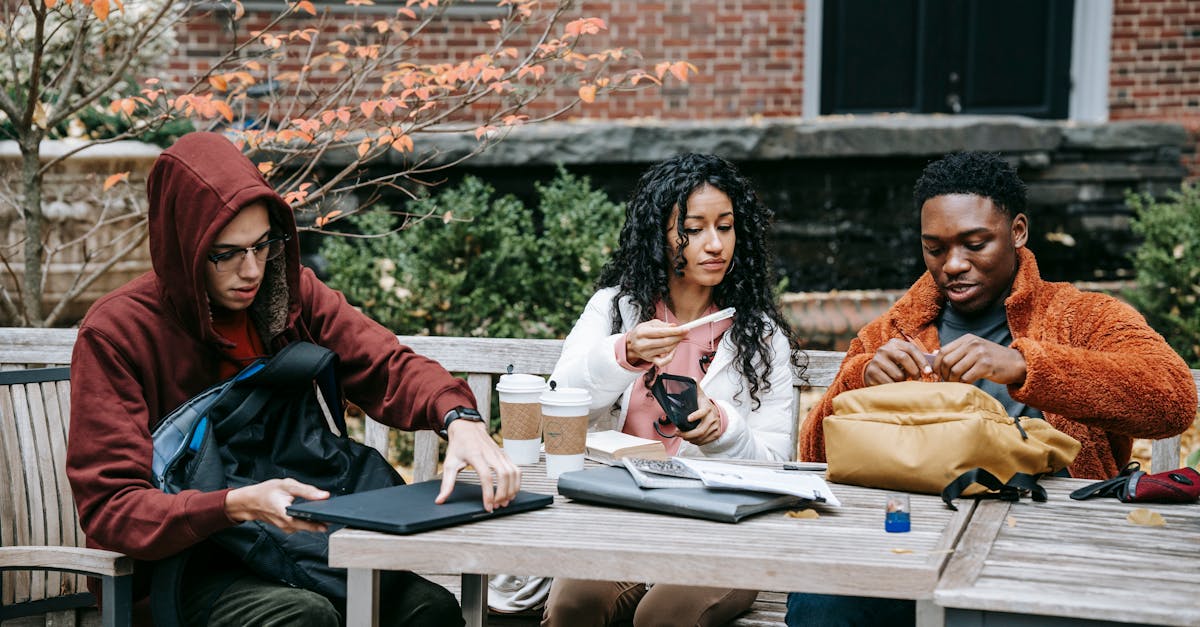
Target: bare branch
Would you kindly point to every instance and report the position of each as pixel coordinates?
(79, 284)
(122, 66)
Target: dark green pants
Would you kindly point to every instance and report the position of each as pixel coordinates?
(239, 598)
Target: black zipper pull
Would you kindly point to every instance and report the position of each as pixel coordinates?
(1017, 422)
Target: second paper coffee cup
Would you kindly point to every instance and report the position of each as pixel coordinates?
(564, 426)
(521, 416)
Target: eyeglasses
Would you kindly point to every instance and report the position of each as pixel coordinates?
(263, 252)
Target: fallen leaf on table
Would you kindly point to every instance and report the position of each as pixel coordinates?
(1145, 517)
(803, 513)
(902, 551)
(1012, 522)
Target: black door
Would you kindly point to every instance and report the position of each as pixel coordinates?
(947, 56)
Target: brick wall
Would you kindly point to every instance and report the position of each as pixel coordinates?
(1155, 68)
(749, 54)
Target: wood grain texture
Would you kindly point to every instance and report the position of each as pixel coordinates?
(1008, 560)
(845, 551)
(75, 559)
(1079, 559)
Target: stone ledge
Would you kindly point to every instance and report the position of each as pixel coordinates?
(883, 135)
(830, 320)
(52, 149)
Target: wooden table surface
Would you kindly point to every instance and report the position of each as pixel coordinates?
(1076, 560)
(844, 551)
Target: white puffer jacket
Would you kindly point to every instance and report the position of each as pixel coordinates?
(589, 361)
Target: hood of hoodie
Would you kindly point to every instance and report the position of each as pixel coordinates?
(195, 189)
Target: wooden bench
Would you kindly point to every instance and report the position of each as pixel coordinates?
(480, 359)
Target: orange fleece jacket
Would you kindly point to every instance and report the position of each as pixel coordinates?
(1097, 371)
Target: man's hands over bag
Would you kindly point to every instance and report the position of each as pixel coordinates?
(268, 502)
(966, 359)
(971, 358)
(471, 445)
(898, 360)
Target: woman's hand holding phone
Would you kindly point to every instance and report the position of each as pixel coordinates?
(709, 417)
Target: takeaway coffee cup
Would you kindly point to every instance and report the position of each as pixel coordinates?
(564, 426)
(521, 416)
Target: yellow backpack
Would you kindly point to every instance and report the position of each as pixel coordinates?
(939, 438)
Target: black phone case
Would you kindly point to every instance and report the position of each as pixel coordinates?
(677, 396)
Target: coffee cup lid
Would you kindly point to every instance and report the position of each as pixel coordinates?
(562, 396)
(516, 383)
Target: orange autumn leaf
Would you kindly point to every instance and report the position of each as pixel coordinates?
(223, 108)
(266, 166)
(585, 26)
(403, 143)
(218, 83)
(100, 8)
(587, 93)
(678, 69)
(114, 179)
(327, 218)
(368, 107)
(306, 6)
(536, 70)
(50, 4)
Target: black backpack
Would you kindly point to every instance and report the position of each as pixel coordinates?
(280, 417)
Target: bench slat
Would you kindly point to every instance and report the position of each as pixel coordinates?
(13, 508)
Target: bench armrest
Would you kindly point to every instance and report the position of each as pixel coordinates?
(95, 562)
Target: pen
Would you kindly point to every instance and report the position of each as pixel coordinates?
(714, 317)
(802, 467)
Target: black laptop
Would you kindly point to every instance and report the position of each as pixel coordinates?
(410, 508)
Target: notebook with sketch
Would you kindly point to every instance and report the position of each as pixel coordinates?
(408, 509)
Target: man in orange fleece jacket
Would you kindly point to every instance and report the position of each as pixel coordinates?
(1086, 362)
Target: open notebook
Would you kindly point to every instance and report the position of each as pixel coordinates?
(407, 509)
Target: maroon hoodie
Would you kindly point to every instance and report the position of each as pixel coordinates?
(149, 346)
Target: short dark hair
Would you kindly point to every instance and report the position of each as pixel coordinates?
(983, 174)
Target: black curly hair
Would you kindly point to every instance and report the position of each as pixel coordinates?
(983, 174)
(639, 267)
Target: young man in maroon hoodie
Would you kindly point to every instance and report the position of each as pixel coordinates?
(227, 287)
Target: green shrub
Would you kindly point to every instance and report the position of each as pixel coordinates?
(1168, 267)
(496, 268)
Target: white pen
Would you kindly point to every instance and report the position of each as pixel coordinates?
(714, 317)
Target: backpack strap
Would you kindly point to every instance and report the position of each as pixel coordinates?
(297, 364)
(1115, 487)
(1010, 491)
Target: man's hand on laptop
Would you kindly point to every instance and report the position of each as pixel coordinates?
(471, 445)
(268, 502)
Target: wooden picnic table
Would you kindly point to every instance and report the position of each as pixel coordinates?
(844, 551)
(1073, 563)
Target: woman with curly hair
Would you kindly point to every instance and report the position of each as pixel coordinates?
(694, 242)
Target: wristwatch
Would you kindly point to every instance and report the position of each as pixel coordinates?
(465, 413)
